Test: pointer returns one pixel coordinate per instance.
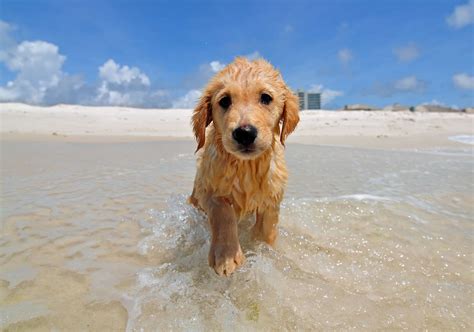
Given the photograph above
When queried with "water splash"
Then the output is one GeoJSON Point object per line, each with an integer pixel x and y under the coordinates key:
{"type": "Point", "coordinates": [337, 265]}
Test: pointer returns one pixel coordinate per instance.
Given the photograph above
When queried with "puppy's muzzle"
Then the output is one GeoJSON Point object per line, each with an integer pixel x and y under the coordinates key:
{"type": "Point", "coordinates": [245, 135]}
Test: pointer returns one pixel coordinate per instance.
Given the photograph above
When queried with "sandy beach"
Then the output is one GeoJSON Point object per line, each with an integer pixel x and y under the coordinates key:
{"type": "Point", "coordinates": [375, 230]}
{"type": "Point", "coordinates": [381, 129]}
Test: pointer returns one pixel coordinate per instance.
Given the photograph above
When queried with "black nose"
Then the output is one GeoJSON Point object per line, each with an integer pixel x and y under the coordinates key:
{"type": "Point", "coordinates": [245, 135]}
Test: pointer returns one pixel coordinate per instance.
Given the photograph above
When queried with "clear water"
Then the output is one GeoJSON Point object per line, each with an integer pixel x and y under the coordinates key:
{"type": "Point", "coordinates": [99, 237]}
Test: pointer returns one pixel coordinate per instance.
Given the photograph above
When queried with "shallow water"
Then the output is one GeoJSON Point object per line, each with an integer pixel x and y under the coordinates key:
{"type": "Point", "coordinates": [99, 237]}
{"type": "Point", "coordinates": [466, 139]}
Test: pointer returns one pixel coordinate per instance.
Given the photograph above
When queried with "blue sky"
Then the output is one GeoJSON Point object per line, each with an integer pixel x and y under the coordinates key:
{"type": "Point", "coordinates": [161, 53]}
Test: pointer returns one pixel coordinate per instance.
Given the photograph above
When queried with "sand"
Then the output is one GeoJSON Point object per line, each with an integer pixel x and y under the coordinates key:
{"type": "Point", "coordinates": [380, 129]}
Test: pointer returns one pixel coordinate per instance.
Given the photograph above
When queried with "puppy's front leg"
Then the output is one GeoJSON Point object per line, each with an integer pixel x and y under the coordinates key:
{"type": "Point", "coordinates": [225, 254]}
{"type": "Point", "coordinates": [265, 228]}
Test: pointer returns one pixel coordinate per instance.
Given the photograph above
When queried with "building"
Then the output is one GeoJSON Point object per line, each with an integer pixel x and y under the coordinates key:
{"type": "Point", "coordinates": [314, 100]}
{"type": "Point", "coordinates": [309, 100]}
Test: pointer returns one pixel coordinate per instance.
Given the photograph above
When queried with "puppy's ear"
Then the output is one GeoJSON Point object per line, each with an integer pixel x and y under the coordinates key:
{"type": "Point", "coordinates": [289, 117]}
{"type": "Point", "coordinates": [202, 117]}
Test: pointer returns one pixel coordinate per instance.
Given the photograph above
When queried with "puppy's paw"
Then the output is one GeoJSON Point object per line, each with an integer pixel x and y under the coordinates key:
{"type": "Point", "coordinates": [225, 258]}
{"type": "Point", "coordinates": [269, 236]}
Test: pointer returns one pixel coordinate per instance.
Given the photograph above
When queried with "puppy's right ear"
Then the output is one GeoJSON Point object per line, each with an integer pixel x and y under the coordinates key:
{"type": "Point", "coordinates": [202, 117]}
{"type": "Point", "coordinates": [290, 117]}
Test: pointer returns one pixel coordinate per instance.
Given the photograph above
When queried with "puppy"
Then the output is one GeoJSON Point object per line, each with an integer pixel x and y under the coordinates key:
{"type": "Point", "coordinates": [240, 166]}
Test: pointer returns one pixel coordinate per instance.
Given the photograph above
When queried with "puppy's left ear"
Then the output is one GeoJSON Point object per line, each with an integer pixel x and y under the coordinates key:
{"type": "Point", "coordinates": [289, 117]}
{"type": "Point", "coordinates": [202, 117]}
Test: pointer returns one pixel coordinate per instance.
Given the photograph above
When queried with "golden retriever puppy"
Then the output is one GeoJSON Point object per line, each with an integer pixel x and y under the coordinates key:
{"type": "Point", "coordinates": [241, 167]}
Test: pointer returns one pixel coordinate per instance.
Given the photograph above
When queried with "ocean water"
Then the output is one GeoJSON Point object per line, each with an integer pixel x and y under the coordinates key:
{"type": "Point", "coordinates": [99, 237]}
{"type": "Point", "coordinates": [466, 139]}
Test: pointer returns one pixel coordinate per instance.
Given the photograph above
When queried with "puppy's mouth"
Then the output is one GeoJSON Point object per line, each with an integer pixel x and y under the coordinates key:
{"type": "Point", "coordinates": [243, 151]}
{"type": "Point", "coordinates": [246, 149]}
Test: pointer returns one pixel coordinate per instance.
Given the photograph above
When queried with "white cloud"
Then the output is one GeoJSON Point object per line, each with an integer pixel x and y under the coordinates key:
{"type": "Point", "coordinates": [216, 66]}
{"type": "Point", "coordinates": [327, 95]}
{"type": "Point", "coordinates": [462, 15]}
{"type": "Point", "coordinates": [8, 93]}
{"type": "Point", "coordinates": [122, 85]}
{"type": "Point", "coordinates": [407, 53]}
{"type": "Point", "coordinates": [209, 69]}
{"type": "Point", "coordinates": [7, 43]}
{"type": "Point", "coordinates": [39, 67]}
{"type": "Point", "coordinates": [464, 81]}
{"type": "Point", "coordinates": [40, 78]}
{"type": "Point", "coordinates": [5, 30]}
{"type": "Point", "coordinates": [39, 75]}
{"type": "Point", "coordinates": [345, 56]}
{"type": "Point", "coordinates": [37, 57]}
{"type": "Point", "coordinates": [189, 100]}
{"type": "Point", "coordinates": [436, 102]}
{"type": "Point", "coordinates": [111, 72]}
{"type": "Point", "coordinates": [253, 56]}
{"type": "Point", "coordinates": [201, 76]}
{"type": "Point", "coordinates": [409, 83]}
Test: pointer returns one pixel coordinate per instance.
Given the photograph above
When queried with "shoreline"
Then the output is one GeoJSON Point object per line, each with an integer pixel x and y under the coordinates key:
{"type": "Point", "coordinates": [420, 142]}
{"type": "Point", "coordinates": [365, 129]}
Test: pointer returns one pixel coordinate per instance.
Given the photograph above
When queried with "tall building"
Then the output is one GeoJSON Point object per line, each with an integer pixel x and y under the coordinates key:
{"type": "Point", "coordinates": [302, 99]}
{"type": "Point", "coordinates": [309, 100]}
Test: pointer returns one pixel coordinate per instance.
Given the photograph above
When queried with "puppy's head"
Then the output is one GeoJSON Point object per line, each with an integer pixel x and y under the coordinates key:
{"type": "Point", "coordinates": [247, 101]}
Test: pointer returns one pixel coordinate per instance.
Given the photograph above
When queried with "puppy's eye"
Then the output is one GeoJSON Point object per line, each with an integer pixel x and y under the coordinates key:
{"type": "Point", "coordinates": [225, 102]}
{"type": "Point", "coordinates": [265, 99]}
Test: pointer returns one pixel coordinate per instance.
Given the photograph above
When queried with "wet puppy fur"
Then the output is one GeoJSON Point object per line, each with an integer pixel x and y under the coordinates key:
{"type": "Point", "coordinates": [241, 122]}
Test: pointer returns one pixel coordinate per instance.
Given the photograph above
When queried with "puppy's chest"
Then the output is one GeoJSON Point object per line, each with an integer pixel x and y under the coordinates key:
{"type": "Point", "coordinates": [253, 187]}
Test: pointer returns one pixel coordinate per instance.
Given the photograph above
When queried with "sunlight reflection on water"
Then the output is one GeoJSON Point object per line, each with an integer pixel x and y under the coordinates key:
{"type": "Point", "coordinates": [368, 239]}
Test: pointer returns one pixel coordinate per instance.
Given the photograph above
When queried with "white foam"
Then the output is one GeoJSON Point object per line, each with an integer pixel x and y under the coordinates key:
{"type": "Point", "coordinates": [365, 197]}
{"type": "Point", "coordinates": [466, 139]}
{"type": "Point", "coordinates": [328, 256]}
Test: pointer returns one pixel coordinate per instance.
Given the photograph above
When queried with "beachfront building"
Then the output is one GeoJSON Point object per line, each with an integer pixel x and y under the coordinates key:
{"type": "Point", "coordinates": [309, 100]}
